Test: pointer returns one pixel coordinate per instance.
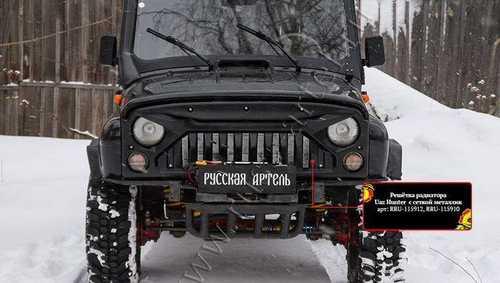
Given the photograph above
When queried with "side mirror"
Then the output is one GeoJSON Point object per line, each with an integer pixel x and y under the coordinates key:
{"type": "Point", "coordinates": [109, 49]}
{"type": "Point", "coordinates": [374, 51]}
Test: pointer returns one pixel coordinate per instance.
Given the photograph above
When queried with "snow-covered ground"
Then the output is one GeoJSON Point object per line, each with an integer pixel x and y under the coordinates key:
{"type": "Point", "coordinates": [42, 199]}
{"type": "Point", "coordinates": [42, 208]}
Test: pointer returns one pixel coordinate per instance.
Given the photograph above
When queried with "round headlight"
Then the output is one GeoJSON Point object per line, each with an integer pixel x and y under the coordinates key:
{"type": "Point", "coordinates": [148, 133]}
{"type": "Point", "coordinates": [344, 133]}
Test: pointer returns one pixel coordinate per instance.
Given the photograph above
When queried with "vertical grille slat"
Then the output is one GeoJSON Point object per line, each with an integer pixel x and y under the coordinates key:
{"type": "Point", "coordinates": [276, 149]}
{"type": "Point", "coordinates": [207, 154]}
{"type": "Point", "coordinates": [238, 147]}
{"type": "Point", "coordinates": [305, 152]}
{"type": "Point", "coordinates": [268, 147]}
{"type": "Point", "coordinates": [291, 149]}
{"type": "Point", "coordinates": [253, 147]}
{"type": "Point", "coordinates": [230, 147]}
{"type": "Point", "coordinates": [185, 151]}
{"type": "Point", "coordinates": [177, 162]}
{"type": "Point", "coordinates": [298, 150]}
{"type": "Point", "coordinates": [223, 146]}
{"type": "Point", "coordinates": [271, 147]}
{"type": "Point", "coordinates": [245, 147]}
{"type": "Point", "coordinates": [199, 146]}
{"type": "Point", "coordinates": [314, 153]}
{"type": "Point", "coordinates": [283, 148]}
{"type": "Point", "coordinates": [260, 147]}
{"type": "Point", "coordinates": [215, 147]}
{"type": "Point", "coordinates": [193, 147]}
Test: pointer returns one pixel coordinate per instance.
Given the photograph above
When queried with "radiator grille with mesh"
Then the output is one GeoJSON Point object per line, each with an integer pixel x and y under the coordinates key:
{"type": "Point", "coordinates": [273, 148]}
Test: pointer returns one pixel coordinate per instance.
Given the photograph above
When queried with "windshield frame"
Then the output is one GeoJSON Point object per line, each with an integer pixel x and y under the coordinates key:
{"type": "Point", "coordinates": [132, 67]}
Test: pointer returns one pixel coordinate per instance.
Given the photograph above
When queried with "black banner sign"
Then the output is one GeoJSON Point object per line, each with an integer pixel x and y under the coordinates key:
{"type": "Point", "coordinates": [417, 206]}
{"type": "Point", "coordinates": [247, 178]}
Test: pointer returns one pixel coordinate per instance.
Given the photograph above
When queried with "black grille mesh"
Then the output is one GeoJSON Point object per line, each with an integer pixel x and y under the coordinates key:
{"type": "Point", "coordinates": [273, 148]}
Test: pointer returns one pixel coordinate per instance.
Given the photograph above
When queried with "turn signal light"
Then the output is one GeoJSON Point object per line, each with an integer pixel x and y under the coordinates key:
{"type": "Point", "coordinates": [118, 99]}
{"type": "Point", "coordinates": [138, 162]}
{"type": "Point", "coordinates": [353, 161]}
{"type": "Point", "coordinates": [365, 96]}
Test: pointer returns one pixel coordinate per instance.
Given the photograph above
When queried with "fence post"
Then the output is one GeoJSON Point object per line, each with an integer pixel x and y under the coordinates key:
{"type": "Point", "coordinates": [78, 109]}
{"type": "Point", "coordinates": [15, 111]}
{"type": "Point", "coordinates": [20, 29]}
{"type": "Point", "coordinates": [395, 29]}
{"type": "Point", "coordinates": [84, 39]}
{"type": "Point", "coordinates": [42, 113]}
{"type": "Point", "coordinates": [23, 118]}
{"type": "Point", "coordinates": [57, 70]}
{"type": "Point", "coordinates": [55, 113]}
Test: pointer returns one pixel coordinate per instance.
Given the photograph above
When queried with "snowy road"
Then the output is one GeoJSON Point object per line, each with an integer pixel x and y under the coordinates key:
{"type": "Point", "coordinates": [238, 260]}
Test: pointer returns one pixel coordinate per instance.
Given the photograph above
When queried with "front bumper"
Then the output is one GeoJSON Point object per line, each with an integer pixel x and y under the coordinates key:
{"type": "Point", "coordinates": [244, 220]}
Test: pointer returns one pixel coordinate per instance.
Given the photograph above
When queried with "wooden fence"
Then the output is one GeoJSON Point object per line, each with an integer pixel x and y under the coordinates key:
{"type": "Point", "coordinates": [56, 40]}
{"type": "Point", "coordinates": [43, 45]}
{"type": "Point", "coordinates": [52, 110]}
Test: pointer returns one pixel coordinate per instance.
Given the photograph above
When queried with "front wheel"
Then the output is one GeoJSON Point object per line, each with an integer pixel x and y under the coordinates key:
{"type": "Point", "coordinates": [111, 242]}
{"type": "Point", "coordinates": [376, 257]}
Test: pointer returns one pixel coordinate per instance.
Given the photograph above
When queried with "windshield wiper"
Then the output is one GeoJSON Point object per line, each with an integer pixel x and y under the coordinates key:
{"type": "Point", "coordinates": [181, 45]}
{"type": "Point", "coordinates": [271, 43]}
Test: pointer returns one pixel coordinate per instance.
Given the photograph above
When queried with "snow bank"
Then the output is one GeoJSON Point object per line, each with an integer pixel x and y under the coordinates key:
{"type": "Point", "coordinates": [444, 144]}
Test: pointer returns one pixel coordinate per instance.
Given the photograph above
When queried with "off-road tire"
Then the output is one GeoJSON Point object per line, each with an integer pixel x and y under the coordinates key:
{"type": "Point", "coordinates": [376, 257]}
{"type": "Point", "coordinates": [112, 251]}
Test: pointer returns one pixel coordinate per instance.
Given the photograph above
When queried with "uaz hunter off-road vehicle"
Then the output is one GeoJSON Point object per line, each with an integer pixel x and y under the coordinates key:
{"type": "Point", "coordinates": [239, 118]}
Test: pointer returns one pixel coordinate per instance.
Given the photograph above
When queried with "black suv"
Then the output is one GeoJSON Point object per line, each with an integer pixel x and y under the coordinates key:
{"type": "Point", "coordinates": [239, 118]}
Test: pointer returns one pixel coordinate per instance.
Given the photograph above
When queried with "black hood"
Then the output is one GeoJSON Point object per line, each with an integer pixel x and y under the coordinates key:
{"type": "Point", "coordinates": [202, 86]}
{"type": "Point", "coordinates": [249, 79]}
{"type": "Point", "coordinates": [254, 96]}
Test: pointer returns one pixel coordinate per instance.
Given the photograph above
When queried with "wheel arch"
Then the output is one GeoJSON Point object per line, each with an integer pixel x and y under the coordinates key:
{"type": "Point", "coordinates": [385, 154]}
{"type": "Point", "coordinates": [104, 153]}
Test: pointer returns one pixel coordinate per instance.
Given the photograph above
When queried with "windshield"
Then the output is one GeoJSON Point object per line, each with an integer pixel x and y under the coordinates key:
{"type": "Point", "coordinates": [308, 28]}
